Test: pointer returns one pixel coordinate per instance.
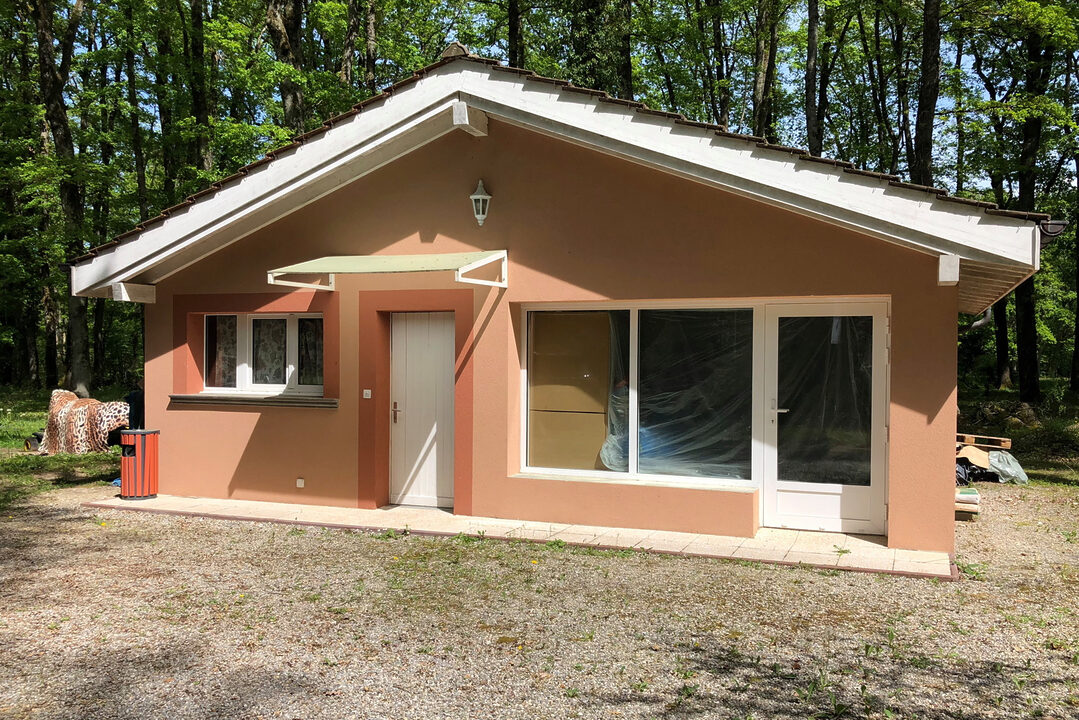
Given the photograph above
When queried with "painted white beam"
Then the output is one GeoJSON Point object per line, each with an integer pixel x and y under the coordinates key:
{"type": "Point", "coordinates": [462, 94]}
{"type": "Point", "coordinates": [133, 292]}
{"type": "Point", "coordinates": [472, 121]}
{"type": "Point", "coordinates": [948, 270]}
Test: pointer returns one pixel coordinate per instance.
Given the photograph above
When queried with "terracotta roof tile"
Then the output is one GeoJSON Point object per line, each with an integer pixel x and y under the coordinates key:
{"type": "Point", "coordinates": [782, 148]}
{"type": "Point", "coordinates": [826, 161]}
{"type": "Point", "coordinates": [969, 201]}
{"type": "Point", "coordinates": [1019, 214]}
{"type": "Point", "coordinates": [870, 173]}
{"type": "Point", "coordinates": [913, 186]}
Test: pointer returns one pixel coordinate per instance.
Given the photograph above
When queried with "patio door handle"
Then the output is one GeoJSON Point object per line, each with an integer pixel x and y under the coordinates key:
{"type": "Point", "coordinates": [395, 412]}
{"type": "Point", "coordinates": [777, 409]}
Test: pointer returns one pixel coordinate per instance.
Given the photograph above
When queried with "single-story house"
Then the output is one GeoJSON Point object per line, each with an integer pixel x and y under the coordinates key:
{"type": "Point", "coordinates": [496, 292]}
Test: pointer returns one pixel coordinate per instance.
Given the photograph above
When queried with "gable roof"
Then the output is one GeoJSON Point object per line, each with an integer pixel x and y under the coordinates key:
{"type": "Point", "coordinates": [994, 249]}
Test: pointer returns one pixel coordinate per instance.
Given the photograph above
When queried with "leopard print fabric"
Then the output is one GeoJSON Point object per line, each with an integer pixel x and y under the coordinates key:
{"type": "Point", "coordinates": [78, 425]}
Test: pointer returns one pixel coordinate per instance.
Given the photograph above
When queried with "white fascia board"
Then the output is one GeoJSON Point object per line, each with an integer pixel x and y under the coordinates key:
{"type": "Point", "coordinates": [870, 205]}
{"type": "Point", "coordinates": [344, 153]}
{"type": "Point", "coordinates": [426, 110]}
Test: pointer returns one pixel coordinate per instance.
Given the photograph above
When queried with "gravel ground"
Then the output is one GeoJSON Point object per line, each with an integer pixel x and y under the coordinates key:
{"type": "Point", "coordinates": [128, 615]}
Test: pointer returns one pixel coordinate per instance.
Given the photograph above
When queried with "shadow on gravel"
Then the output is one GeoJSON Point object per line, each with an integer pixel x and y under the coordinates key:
{"type": "Point", "coordinates": [718, 680]}
{"type": "Point", "coordinates": [40, 537]}
{"type": "Point", "coordinates": [172, 681]}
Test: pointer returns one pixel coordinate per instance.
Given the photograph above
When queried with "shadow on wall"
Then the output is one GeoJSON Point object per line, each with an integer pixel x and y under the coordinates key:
{"type": "Point", "coordinates": [609, 229]}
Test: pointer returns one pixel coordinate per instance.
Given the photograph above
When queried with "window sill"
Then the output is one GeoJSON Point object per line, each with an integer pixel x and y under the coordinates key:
{"type": "Point", "coordinates": [305, 401]}
{"type": "Point", "coordinates": [742, 486]}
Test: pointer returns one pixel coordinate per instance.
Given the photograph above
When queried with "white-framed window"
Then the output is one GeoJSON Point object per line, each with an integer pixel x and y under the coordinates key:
{"type": "Point", "coordinates": [263, 353]}
{"type": "Point", "coordinates": [641, 393]}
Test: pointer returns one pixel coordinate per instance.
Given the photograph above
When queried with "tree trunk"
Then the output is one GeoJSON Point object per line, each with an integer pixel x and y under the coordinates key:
{"type": "Point", "coordinates": [720, 56]}
{"type": "Point", "coordinates": [814, 137]}
{"type": "Point", "coordinates": [164, 112]}
{"type": "Point", "coordinates": [1036, 81]}
{"type": "Point", "coordinates": [352, 34]}
{"type": "Point", "coordinates": [133, 102]}
{"type": "Point", "coordinates": [1003, 377]}
{"type": "Point", "coordinates": [668, 82]}
{"type": "Point", "coordinates": [52, 78]}
{"type": "Point", "coordinates": [371, 50]}
{"type": "Point", "coordinates": [765, 73]}
{"type": "Point", "coordinates": [199, 105]}
{"type": "Point", "coordinates": [1075, 335]}
{"type": "Point", "coordinates": [960, 126]}
{"type": "Point", "coordinates": [52, 373]}
{"type": "Point", "coordinates": [921, 170]}
{"type": "Point", "coordinates": [624, 88]}
{"type": "Point", "coordinates": [515, 34]}
{"type": "Point", "coordinates": [99, 337]}
{"type": "Point", "coordinates": [284, 22]}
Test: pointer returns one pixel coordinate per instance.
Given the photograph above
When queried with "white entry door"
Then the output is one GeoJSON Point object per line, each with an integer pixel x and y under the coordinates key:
{"type": "Point", "coordinates": [421, 415]}
{"type": "Point", "coordinates": [825, 428]}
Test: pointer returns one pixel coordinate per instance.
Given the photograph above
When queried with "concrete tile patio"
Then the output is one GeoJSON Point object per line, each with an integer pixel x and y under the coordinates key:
{"type": "Point", "coordinates": [772, 545]}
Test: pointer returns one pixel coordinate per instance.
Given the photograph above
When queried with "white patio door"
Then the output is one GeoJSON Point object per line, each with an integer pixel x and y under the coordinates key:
{"type": "Point", "coordinates": [825, 417]}
{"type": "Point", "coordinates": [421, 415]}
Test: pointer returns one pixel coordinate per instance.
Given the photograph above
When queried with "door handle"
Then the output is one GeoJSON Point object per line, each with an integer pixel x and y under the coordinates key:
{"type": "Point", "coordinates": [395, 412]}
{"type": "Point", "coordinates": [776, 409]}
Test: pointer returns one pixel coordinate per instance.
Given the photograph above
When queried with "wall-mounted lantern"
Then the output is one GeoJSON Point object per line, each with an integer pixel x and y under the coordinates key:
{"type": "Point", "coordinates": [481, 201]}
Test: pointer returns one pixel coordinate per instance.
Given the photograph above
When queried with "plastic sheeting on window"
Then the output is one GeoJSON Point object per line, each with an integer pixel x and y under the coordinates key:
{"type": "Point", "coordinates": [695, 396]}
{"type": "Point", "coordinates": [268, 350]}
{"type": "Point", "coordinates": [825, 386]}
{"type": "Point", "coordinates": [309, 352]}
{"type": "Point", "coordinates": [220, 351]}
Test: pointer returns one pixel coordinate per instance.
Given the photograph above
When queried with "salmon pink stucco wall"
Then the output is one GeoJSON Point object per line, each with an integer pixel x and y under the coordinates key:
{"type": "Point", "coordinates": [579, 226]}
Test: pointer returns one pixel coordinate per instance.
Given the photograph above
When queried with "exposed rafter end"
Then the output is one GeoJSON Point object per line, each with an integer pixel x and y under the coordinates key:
{"type": "Point", "coordinates": [471, 120]}
{"type": "Point", "coordinates": [133, 292]}
{"type": "Point", "coordinates": [948, 270]}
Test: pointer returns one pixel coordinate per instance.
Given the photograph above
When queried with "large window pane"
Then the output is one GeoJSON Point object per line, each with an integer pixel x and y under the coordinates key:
{"type": "Point", "coordinates": [696, 392]}
{"type": "Point", "coordinates": [310, 351]}
{"type": "Point", "coordinates": [269, 351]}
{"type": "Point", "coordinates": [826, 386]}
{"type": "Point", "coordinates": [220, 351]}
{"type": "Point", "coordinates": [578, 391]}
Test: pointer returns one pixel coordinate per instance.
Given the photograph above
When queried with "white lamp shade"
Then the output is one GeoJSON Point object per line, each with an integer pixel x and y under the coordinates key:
{"type": "Point", "coordinates": [481, 202]}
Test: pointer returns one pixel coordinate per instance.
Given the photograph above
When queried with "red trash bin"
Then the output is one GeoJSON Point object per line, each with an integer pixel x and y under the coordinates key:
{"type": "Point", "coordinates": [138, 464]}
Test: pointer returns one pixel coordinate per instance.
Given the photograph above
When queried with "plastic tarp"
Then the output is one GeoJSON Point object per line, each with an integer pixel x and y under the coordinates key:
{"type": "Point", "coordinates": [825, 386]}
{"type": "Point", "coordinates": [1007, 468]}
{"type": "Point", "coordinates": [694, 396]}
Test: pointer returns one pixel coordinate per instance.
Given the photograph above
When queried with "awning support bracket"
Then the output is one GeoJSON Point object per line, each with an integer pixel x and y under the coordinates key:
{"type": "Point", "coordinates": [501, 257]}
{"type": "Point", "coordinates": [273, 279]}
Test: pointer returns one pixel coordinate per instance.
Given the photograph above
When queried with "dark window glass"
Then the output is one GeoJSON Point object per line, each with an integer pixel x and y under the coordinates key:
{"type": "Point", "coordinates": [696, 392]}
{"type": "Point", "coordinates": [826, 388]}
{"type": "Point", "coordinates": [310, 351]}
{"type": "Point", "coordinates": [220, 351]}
{"type": "Point", "coordinates": [269, 351]}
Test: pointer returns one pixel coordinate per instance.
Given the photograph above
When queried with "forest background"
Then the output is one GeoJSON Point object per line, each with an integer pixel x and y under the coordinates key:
{"type": "Point", "coordinates": [110, 112]}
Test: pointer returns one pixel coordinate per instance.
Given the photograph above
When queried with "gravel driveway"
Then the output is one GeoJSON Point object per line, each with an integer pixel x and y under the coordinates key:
{"type": "Point", "coordinates": [129, 615]}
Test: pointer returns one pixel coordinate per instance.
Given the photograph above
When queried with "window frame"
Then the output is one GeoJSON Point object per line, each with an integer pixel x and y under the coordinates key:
{"type": "Point", "coordinates": [245, 384]}
{"type": "Point", "coordinates": [758, 306]}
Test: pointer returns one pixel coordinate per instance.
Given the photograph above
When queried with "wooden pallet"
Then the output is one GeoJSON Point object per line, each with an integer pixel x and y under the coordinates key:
{"type": "Point", "coordinates": [984, 441]}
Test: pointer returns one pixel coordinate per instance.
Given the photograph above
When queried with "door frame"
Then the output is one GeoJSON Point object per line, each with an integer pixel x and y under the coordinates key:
{"type": "Point", "coordinates": [771, 486]}
{"type": "Point", "coordinates": [452, 445]}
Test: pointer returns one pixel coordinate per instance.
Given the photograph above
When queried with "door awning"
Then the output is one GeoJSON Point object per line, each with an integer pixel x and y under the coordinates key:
{"type": "Point", "coordinates": [333, 265]}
